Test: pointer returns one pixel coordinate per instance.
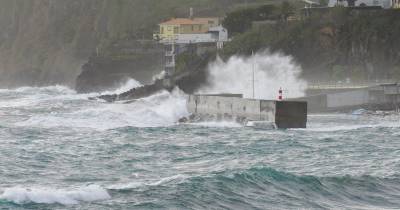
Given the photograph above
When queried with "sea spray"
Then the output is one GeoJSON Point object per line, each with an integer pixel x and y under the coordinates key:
{"type": "Point", "coordinates": [129, 84]}
{"type": "Point", "coordinates": [49, 164]}
{"type": "Point", "coordinates": [21, 195]}
{"type": "Point", "coordinates": [272, 71]}
{"type": "Point", "coordinates": [61, 107]}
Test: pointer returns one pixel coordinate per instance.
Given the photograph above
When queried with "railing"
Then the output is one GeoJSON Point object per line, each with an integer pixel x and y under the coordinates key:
{"type": "Point", "coordinates": [348, 85]}
{"type": "Point", "coordinates": [191, 38]}
{"type": "Point", "coordinates": [170, 64]}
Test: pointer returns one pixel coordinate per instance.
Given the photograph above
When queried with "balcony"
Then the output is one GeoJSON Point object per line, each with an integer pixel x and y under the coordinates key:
{"type": "Point", "coordinates": [170, 64]}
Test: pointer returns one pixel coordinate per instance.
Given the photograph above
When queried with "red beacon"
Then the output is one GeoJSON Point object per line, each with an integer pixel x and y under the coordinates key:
{"type": "Point", "coordinates": [280, 96]}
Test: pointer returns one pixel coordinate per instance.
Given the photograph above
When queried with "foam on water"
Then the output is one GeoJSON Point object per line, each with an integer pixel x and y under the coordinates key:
{"type": "Point", "coordinates": [368, 122]}
{"type": "Point", "coordinates": [271, 72]}
{"type": "Point", "coordinates": [179, 178]}
{"type": "Point", "coordinates": [352, 127]}
{"type": "Point", "coordinates": [161, 109]}
{"type": "Point", "coordinates": [42, 195]}
{"type": "Point", "coordinates": [341, 161]}
{"type": "Point", "coordinates": [128, 85]}
{"type": "Point", "coordinates": [219, 124]}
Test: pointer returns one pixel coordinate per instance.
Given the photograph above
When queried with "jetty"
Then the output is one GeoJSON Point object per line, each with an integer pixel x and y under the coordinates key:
{"type": "Point", "coordinates": [385, 96]}
{"type": "Point", "coordinates": [279, 114]}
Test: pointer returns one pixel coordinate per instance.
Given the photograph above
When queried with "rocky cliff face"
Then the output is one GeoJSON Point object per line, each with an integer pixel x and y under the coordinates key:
{"type": "Point", "coordinates": [332, 45]}
{"type": "Point", "coordinates": [45, 42]}
{"type": "Point", "coordinates": [129, 59]}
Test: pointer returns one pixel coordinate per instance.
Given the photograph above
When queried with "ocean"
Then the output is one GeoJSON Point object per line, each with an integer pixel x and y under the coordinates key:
{"type": "Point", "coordinates": [60, 150]}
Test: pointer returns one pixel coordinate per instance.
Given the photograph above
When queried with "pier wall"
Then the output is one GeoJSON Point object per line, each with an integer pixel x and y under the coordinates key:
{"type": "Point", "coordinates": [283, 114]}
{"type": "Point", "coordinates": [350, 98]}
{"type": "Point", "coordinates": [381, 97]}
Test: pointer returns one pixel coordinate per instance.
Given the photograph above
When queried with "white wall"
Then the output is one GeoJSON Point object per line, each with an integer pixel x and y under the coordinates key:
{"type": "Point", "coordinates": [237, 107]}
{"type": "Point", "coordinates": [351, 98]}
{"type": "Point", "coordinates": [382, 3]}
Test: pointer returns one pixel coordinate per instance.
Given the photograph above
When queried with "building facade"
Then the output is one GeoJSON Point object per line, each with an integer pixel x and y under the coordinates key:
{"type": "Point", "coordinates": [396, 4]}
{"type": "Point", "coordinates": [386, 4]}
{"type": "Point", "coordinates": [171, 28]}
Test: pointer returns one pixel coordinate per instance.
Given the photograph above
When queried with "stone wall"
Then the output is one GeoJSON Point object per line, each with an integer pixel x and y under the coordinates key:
{"type": "Point", "coordinates": [284, 114]}
{"type": "Point", "coordinates": [381, 97]}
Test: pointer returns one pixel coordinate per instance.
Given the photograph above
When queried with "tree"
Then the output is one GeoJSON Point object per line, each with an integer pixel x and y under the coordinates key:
{"type": "Point", "coordinates": [351, 3]}
{"type": "Point", "coordinates": [240, 21]}
{"type": "Point", "coordinates": [323, 2]}
{"type": "Point", "coordinates": [286, 10]}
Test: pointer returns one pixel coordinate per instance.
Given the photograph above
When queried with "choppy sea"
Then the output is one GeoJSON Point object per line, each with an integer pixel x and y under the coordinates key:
{"type": "Point", "coordinates": [59, 150]}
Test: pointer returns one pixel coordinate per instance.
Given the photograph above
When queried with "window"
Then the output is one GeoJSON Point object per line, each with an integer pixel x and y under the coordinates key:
{"type": "Point", "coordinates": [192, 27]}
{"type": "Point", "coordinates": [162, 30]}
{"type": "Point", "coordinates": [176, 30]}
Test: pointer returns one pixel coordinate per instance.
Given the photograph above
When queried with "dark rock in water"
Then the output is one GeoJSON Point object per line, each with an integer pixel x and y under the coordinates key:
{"type": "Point", "coordinates": [111, 67]}
{"type": "Point", "coordinates": [195, 74]}
{"type": "Point", "coordinates": [183, 120]}
{"type": "Point", "coordinates": [136, 93]}
{"type": "Point", "coordinates": [193, 81]}
{"type": "Point", "coordinates": [109, 98]}
{"type": "Point", "coordinates": [188, 79]}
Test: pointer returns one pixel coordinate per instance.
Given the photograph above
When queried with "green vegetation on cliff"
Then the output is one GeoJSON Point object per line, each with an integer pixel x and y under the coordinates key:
{"type": "Point", "coordinates": [331, 44]}
{"type": "Point", "coordinates": [46, 42]}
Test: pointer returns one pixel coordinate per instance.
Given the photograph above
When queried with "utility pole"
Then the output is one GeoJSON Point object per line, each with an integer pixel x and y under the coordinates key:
{"type": "Point", "coordinates": [253, 79]}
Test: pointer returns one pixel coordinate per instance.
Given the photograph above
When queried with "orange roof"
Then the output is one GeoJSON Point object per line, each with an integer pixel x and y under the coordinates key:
{"type": "Point", "coordinates": [205, 20]}
{"type": "Point", "coordinates": [187, 21]}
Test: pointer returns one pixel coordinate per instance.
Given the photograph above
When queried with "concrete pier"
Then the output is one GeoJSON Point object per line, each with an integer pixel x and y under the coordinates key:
{"type": "Point", "coordinates": [379, 97]}
{"type": "Point", "coordinates": [284, 114]}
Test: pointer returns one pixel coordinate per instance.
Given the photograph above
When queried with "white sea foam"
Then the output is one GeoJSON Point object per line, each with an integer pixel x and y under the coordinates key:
{"type": "Point", "coordinates": [21, 195]}
{"type": "Point", "coordinates": [328, 128]}
{"type": "Point", "coordinates": [128, 85]}
{"type": "Point", "coordinates": [159, 110]}
{"type": "Point", "coordinates": [179, 178]}
{"type": "Point", "coordinates": [220, 124]}
{"type": "Point", "coordinates": [271, 72]}
{"type": "Point", "coordinates": [60, 89]}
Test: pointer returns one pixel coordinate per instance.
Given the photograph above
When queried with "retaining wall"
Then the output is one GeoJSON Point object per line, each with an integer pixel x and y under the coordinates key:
{"type": "Point", "coordinates": [284, 114]}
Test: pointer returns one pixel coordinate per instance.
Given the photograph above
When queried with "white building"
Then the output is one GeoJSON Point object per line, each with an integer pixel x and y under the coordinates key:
{"type": "Point", "coordinates": [217, 34]}
{"type": "Point", "coordinates": [386, 4]}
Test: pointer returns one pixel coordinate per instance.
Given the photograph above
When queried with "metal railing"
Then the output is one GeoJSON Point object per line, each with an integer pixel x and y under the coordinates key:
{"type": "Point", "coordinates": [348, 85]}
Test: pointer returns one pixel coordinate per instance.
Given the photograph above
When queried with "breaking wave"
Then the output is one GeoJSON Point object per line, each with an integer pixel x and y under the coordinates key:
{"type": "Point", "coordinates": [23, 195]}
{"type": "Point", "coordinates": [258, 188]}
{"type": "Point", "coordinates": [161, 109]}
{"type": "Point", "coordinates": [128, 85]}
{"type": "Point", "coordinates": [59, 106]}
{"type": "Point", "coordinates": [271, 72]}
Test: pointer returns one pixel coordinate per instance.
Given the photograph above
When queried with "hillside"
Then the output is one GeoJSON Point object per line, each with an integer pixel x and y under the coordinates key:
{"type": "Point", "coordinates": [331, 45]}
{"type": "Point", "coordinates": [45, 42]}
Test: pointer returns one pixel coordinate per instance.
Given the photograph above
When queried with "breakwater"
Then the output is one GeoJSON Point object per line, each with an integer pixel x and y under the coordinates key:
{"type": "Point", "coordinates": [284, 114]}
{"type": "Point", "coordinates": [377, 97]}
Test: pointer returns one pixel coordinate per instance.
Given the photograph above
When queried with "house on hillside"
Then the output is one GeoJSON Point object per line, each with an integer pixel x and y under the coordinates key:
{"type": "Point", "coordinates": [194, 35]}
{"type": "Point", "coordinates": [396, 4]}
{"type": "Point", "coordinates": [192, 30]}
{"type": "Point", "coordinates": [385, 4]}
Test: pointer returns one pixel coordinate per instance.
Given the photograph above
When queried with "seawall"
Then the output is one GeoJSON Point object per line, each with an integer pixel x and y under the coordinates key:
{"type": "Point", "coordinates": [380, 97]}
{"type": "Point", "coordinates": [284, 114]}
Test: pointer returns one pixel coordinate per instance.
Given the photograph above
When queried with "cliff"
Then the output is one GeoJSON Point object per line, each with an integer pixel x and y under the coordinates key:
{"type": "Point", "coordinates": [44, 42]}
{"type": "Point", "coordinates": [331, 44]}
{"type": "Point", "coordinates": [122, 60]}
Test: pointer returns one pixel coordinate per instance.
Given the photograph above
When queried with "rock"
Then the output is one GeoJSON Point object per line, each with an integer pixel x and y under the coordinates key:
{"type": "Point", "coordinates": [139, 60]}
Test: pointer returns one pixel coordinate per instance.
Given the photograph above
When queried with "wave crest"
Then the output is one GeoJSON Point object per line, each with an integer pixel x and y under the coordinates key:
{"type": "Point", "coordinates": [21, 195]}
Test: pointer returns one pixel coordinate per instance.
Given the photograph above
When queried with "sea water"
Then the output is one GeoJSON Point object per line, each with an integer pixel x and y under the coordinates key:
{"type": "Point", "coordinates": [60, 150]}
